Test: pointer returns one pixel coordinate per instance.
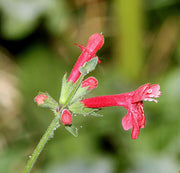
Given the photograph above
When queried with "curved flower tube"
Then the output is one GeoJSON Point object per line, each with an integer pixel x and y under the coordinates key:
{"type": "Point", "coordinates": [132, 101]}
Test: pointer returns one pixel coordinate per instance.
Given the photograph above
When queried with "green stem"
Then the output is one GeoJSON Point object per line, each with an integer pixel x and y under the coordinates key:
{"type": "Point", "coordinates": [41, 144]}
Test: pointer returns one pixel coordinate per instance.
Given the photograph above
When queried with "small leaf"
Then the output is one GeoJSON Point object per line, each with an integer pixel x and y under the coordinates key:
{"type": "Point", "coordinates": [90, 111]}
{"type": "Point", "coordinates": [72, 129]}
{"type": "Point", "coordinates": [77, 108]}
{"type": "Point", "coordinates": [81, 92]}
{"type": "Point", "coordinates": [95, 114]}
{"type": "Point", "coordinates": [83, 71]}
{"type": "Point", "coordinates": [89, 66]}
{"type": "Point", "coordinates": [66, 89]}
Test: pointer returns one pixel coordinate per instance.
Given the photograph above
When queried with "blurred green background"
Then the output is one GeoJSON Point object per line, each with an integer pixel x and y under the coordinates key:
{"type": "Point", "coordinates": [142, 44]}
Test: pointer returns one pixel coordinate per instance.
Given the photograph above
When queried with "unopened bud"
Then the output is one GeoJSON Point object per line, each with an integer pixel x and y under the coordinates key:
{"type": "Point", "coordinates": [40, 99]}
{"type": "Point", "coordinates": [66, 117]}
{"type": "Point", "coordinates": [91, 82]}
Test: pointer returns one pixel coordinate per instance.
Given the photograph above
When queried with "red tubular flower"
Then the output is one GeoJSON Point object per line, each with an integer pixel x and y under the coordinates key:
{"type": "Point", "coordinates": [91, 82]}
{"type": "Point", "coordinates": [132, 101]}
{"type": "Point", "coordinates": [66, 117]}
{"type": "Point", "coordinates": [40, 99]}
{"type": "Point", "coordinates": [95, 42]}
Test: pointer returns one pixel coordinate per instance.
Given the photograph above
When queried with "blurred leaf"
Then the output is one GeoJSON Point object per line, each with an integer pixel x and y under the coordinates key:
{"type": "Point", "coordinates": [57, 16]}
{"type": "Point", "coordinates": [19, 18]}
{"type": "Point", "coordinates": [159, 3]}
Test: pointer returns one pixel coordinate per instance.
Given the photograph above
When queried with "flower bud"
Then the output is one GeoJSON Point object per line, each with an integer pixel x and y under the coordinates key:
{"type": "Point", "coordinates": [66, 117]}
{"type": "Point", "coordinates": [91, 82]}
{"type": "Point", "coordinates": [40, 99]}
{"type": "Point", "coordinates": [95, 42]}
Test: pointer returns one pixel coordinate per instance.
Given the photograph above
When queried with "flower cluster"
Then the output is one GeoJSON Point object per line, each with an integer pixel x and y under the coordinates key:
{"type": "Point", "coordinates": [75, 88]}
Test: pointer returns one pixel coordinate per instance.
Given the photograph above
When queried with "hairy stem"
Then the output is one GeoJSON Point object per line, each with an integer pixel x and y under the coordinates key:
{"type": "Point", "coordinates": [49, 132]}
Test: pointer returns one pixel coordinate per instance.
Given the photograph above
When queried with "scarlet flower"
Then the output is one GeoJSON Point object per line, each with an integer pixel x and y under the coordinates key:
{"type": "Point", "coordinates": [66, 117]}
{"type": "Point", "coordinates": [132, 101]}
{"type": "Point", "coordinates": [40, 99]}
{"type": "Point", "coordinates": [91, 82]}
{"type": "Point", "coordinates": [95, 42]}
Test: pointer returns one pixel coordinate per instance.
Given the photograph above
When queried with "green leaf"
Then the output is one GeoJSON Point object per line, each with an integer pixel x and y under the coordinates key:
{"type": "Point", "coordinates": [66, 89]}
{"type": "Point", "coordinates": [81, 92]}
{"type": "Point", "coordinates": [83, 71]}
{"type": "Point", "coordinates": [89, 66]}
{"type": "Point", "coordinates": [77, 108]}
{"type": "Point", "coordinates": [95, 114]}
{"type": "Point", "coordinates": [90, 111]}
{"type": "Point", "coordinates": [73, 130]}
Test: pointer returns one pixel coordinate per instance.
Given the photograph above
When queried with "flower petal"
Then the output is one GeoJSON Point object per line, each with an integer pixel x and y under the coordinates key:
{"type": "Point", "coordinates": [127, 121]}
{"type": "Point", "coordinates": [139, 93]}
{"type": "Point", "coordinates": [146, 92]}
{"type": "Point", "coordinates": [135, 132]}
{"type": "Point", "coordinates": [155, 90]}
{"type": "Point", "coordinates": [134, 119]}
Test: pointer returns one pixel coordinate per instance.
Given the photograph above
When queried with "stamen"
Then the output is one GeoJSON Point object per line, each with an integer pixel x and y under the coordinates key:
{"type": "Point", "coordinates": [149, 91]}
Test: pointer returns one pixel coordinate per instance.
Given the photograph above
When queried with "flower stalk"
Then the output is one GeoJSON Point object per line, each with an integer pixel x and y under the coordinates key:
{"type": "Point", "coordinates": [86, 62]}
{"type": "Point", "coordinates": [49, 132]}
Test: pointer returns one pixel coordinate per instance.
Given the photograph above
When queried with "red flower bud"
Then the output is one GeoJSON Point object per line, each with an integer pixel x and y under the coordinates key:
{"type": "Point", "coordinates": [95, 42]}
{"type": "Point", "coordinates": [66, 117]}
{"type": "Point", "coordinates": [91, 82]}
{"type": "Point", "coordinates": [40, 99]}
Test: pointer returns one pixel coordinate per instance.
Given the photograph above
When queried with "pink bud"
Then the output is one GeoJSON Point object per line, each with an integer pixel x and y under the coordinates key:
{"type": "Point", "coordinates": [40, 99]}
{"type": "Point", "coordinates": [66, 117]}
{"type": "Point", "coordinates": [91, 82]}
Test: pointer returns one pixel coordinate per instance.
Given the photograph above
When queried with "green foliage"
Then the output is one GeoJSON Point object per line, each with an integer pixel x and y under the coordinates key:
{"type": "Point", "coordinates": [66, 90]}
{"type": "Point", "coordinates": [20, 18]}
{"type": "Point", "coordinates": [40, 66]}
{"type": "Point", "coordinates": [89, 66]}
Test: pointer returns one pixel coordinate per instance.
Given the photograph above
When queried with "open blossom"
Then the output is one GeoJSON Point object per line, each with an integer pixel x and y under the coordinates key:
{"type": "Point", "coordinates": [91, 82]}
{"type": "Point", "coordinates": [132, 101]}
{"type": "Point", "coordinates": [40, 99]}
{"type": "Point", "coordinates": [66, 117]}
{"type": "Point", "coordinates": [95, 42]}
